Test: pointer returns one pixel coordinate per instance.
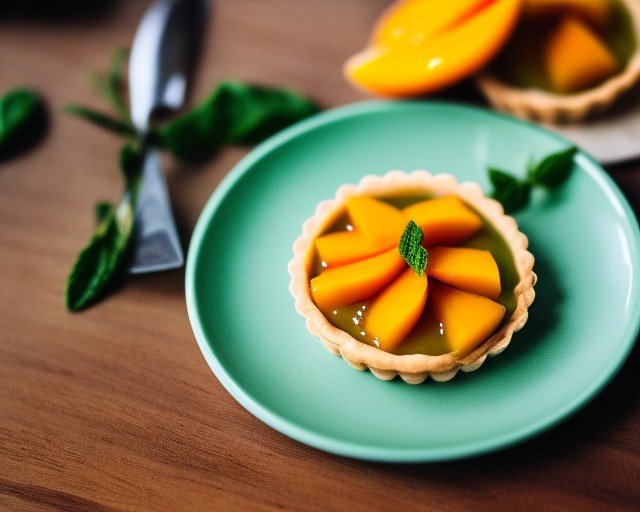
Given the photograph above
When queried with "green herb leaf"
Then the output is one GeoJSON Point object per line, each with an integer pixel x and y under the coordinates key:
{"type": "Point", "coordinates": [509, 190]}
{"type": "Point", "coordinates": [234, 113]}
{"type": "Point", "coordinates": [101, 119]}
{"type": "Point", "coordinates": [23, 121]}
{"type": "Point", "coordinates": [112, 85]}
{"type": "Point", "coordinates": [411, 248]}
{"type": "Point", "coordinates": [553, 170]}
{"type": "Point", "coordinates": [100, 264]}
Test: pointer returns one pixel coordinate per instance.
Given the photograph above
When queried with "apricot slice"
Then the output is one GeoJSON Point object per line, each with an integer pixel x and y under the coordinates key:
{"type": "Point", "coordinates": [343, 247]}
{"type": "Point", "coordinates": [471, 270]}
{"type": "Point", "coordinates": [438, 57]}
{"type": "Point", "coordinates": [381, 223]}
{"type": "Point", "coordinates": [343, 285]}
{"type": "Point", "coordinates": [467, 319]}
{"type": "Point", "coordinates": [444, 220]}
{"type": "Point", "coordinates": [396, 309]}
{"type": "Point", "coordinates": [576, 57]}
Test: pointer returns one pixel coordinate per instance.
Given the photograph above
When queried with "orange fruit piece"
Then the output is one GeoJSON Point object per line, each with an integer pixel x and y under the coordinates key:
{"type": "Point", "coordinates": [576, 57]}
{"type": "Point", "coordinates": [343, 247]}
{"type": "Point", "coordinates": [357, 281]}
{"type": "Point", "coordinates": [381, 223]}
{"type": "Point", "coordinates": [595, 12]}
{"type": "Point", "coordinates": [444, 220]}
{"type": "Point", "coordinates": [396, 309]}
{"type": "Point", "coordinates": [408, 58]}
{"type": "Point", "coordinates": [471, 270]}
{"type": "Point", "coordinates": [467, 319]}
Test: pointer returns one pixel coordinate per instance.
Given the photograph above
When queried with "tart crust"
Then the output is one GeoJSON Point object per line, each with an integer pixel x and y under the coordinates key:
{"type": "Point", "coordinates": [414, 368]}
{"type": "Point", "coordinates": [553, 108]}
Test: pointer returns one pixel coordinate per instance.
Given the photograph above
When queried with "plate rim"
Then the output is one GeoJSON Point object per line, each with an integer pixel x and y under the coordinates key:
{"type": "Point", "coordinates": [368, 452]}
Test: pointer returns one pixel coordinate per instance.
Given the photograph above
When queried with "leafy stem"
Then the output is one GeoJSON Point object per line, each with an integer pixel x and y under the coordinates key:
{"type": "Point", "coordinates": [549, 173]}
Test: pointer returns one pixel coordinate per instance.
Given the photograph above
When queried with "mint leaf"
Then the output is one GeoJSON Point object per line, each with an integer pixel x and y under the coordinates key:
{"type": "Point", "coordinates": [23, 121]}
{"type": "Point", "coordinates": [100, 263]}
{"type": "Point", "coordinates": [512, 192]}
{"type": "Point", "coordinates": [234, 113]}
{"type": "Point", "coordinates": [411, 248]}
{"type": "Point", "coordinates": [553, 170]}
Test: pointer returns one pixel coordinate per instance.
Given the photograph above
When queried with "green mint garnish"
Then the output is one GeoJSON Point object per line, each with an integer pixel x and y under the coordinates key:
{"type": "Point", "coordinates": [101, 262]}
{"type": "Point", "coordinates": [23, 121]}
{"type": "Point", "coordinates": [411, 248]}
{"type": "Point", "coordinates": [551, 172]}
{"type": "Point", "coordinates": [234, 113]}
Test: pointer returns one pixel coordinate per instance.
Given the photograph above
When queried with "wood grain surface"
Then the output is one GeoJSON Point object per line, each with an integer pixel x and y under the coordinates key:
{"type": "Point", "coordinates": [115, 409]}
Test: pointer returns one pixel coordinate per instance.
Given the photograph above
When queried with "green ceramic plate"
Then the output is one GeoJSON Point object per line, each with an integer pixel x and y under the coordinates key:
{"type": "Point", "coordinates": [582, 325]}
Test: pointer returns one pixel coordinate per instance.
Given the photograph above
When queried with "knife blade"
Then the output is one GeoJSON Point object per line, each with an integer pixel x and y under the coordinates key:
{"type": "Point", "coordinates": [162, 58]}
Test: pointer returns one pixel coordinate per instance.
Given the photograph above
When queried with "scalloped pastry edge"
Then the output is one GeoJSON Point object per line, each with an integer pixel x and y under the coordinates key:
{"type": "Point", "coordinates": [413, 368]}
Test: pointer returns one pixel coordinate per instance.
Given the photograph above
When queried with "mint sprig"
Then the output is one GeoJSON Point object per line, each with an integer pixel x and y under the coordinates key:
{"type": "Point", "coordinates": [551, 172]}
{"type": "Point", "coordinates": [411, 248]}
{"type": "Point", "coordinates": [101, 262]}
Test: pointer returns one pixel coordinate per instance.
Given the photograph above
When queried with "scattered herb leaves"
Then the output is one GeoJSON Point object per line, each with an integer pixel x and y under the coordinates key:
{"type": "Point", "coordinates": [23, 121]}
{"type": "Point", "coordinates": [234, 113]}
{"type": "Point", "coordinates": [550, 173]}
{"type": "Point", "coordinates": [411, 248]}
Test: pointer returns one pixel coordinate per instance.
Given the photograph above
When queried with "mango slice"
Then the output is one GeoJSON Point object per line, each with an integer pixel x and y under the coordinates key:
{"type": "Point", "coordinates": [357, 281]}
{"type": "Point", "coordinates": [467, 319]}
{"type": "Point", "coordinates": [410, 22]}
{"type": "Point", "coordinates": [396, 309]}
{"type": "Point", "coordinates": [343, 247]}
{"type": "Point", "coordinates": [381, 223]}
{"type": "Point", "coordinates": [576, 57]}
{"type": "Point", "coordinates": [437, 55]}
{"type": "Point", "coordinates": [444, 220]}
{"type": "Point", "coordinates": [471, 270]}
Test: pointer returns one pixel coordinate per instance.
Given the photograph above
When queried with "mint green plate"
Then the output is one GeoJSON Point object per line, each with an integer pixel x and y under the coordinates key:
{"type": "Point", "coordinates": [581, 329]}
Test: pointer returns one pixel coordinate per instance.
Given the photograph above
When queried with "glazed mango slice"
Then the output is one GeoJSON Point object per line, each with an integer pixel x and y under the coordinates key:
{"type": "Point", "coordinates": [576, 57]}
{"type": "Point", "coordinates": [435, 56]}
{"type": "Point", "coordinates": [381, 223]}
{"type": "Point", "coordinates": [344, 247]}
{"type": "Point", "coordinates": [471, 270]}
{"type": "Point", "coordinates": [410, 22]}
{"type": "Point", "coordinates": [467, 319]}
{"type": "Point", "coordinates": [396, 309]}
{"type": "Point", "coordinates": [444, 220]}
{"type": "Point", "coordinates": [357, 281]}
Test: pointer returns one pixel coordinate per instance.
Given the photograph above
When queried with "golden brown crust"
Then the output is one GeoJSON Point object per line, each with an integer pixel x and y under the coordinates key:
{"type": "Point", "coordinates": [548, 107]}
{"type": "Point", "coordinates": [414, 368]}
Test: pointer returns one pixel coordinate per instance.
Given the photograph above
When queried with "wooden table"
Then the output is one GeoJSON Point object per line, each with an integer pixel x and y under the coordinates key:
{"type": "Point", "coordinates": [115, 408]}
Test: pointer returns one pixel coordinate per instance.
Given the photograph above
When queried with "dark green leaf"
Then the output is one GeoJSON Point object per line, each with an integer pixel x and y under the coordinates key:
{"type": "Point", "coordinates": [553, 170]}
{"type": "Point", "coordinates": [509, 190]}
{"type": "Point", "coordinates": [411, 248]}
{"type": "Point", "coordinates": [101, 119]}
{"type": "Point", "coordinates": [103, 209]}
{"type": "Point", "coordinates": [23, 121]}
{"type": "Point", "coordinates": [100, 264]}
{"type": "Point", "coordinates": [234, 113]}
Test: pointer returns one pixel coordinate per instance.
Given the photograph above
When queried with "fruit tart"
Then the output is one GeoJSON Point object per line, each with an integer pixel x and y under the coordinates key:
{"type": "Point", "coordinates": [412, 275]}
{"type": "Point", "coordinates": [567, 61]}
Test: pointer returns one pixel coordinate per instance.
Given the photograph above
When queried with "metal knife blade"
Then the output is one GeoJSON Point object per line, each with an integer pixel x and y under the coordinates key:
{"type": "Point", "coordinates": [161, 60]}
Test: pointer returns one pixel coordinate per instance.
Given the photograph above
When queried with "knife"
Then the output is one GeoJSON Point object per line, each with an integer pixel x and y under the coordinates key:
{"type": "Point", "coordinates": [162, 58]}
